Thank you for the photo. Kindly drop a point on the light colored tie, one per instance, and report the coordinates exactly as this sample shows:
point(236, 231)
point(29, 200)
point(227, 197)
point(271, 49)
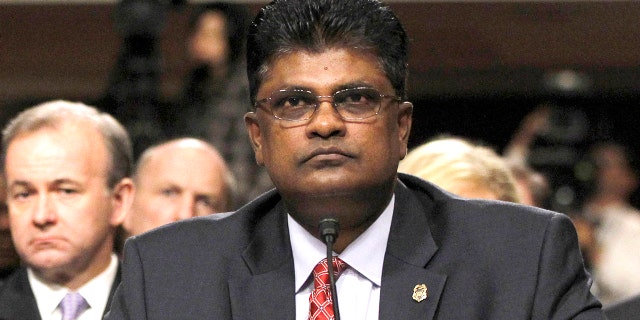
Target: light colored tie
point(320, 300)
point(72, 305)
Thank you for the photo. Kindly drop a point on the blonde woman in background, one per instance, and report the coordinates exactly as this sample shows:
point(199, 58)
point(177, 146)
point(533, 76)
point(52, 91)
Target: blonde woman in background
point(463, 168)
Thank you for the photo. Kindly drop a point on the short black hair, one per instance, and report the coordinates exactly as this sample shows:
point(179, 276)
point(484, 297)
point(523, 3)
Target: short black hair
point(284, 26)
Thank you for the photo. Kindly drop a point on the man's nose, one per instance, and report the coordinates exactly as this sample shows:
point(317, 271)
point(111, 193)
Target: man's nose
point(326, 121)
point(187, 208)
point(45, 213)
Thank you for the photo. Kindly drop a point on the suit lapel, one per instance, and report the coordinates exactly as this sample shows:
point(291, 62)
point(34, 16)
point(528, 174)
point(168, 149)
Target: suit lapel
point(269, 292)
point(264, 296)
point(409, 249)
point(18, 302)
point(114, 286)
point(16, 298)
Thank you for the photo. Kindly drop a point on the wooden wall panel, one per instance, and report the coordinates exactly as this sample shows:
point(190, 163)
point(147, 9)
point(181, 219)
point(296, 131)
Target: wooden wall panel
point(67, 50)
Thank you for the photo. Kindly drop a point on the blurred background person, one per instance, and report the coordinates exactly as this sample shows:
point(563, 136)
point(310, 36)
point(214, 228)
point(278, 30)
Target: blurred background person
point(216, 93)
point(179, 179)
point(551, 139)
point(462, 168)
point(532, 186)
point(215, 50)
point(609, 176)
point(133, 91)
point(9, 259)
point(66, 167)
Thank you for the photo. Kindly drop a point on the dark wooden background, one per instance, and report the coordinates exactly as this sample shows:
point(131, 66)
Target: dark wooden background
point(476, 68)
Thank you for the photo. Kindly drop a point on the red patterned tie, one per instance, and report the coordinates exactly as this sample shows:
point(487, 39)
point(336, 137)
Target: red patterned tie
point(321, 304)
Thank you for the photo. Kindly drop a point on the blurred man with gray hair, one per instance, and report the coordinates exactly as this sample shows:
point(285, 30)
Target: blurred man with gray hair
point(67, 169)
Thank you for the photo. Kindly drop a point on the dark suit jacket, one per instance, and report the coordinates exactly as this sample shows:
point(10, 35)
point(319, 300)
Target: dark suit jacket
point(17, 301)
point(478, 259)
point(626, 310)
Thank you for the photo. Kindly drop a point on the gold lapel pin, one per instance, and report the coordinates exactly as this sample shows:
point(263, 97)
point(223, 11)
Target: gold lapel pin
point(420, 292)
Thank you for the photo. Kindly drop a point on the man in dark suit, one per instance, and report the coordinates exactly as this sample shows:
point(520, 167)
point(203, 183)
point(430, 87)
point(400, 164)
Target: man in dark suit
point(330, 123)
point(624, 310)
point(66, 166)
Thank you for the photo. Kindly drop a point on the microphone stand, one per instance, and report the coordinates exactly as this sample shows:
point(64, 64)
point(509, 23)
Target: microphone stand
point(329, 228)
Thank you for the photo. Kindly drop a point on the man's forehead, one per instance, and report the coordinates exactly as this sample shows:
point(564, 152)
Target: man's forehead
point(338, 68)
point(56, 153)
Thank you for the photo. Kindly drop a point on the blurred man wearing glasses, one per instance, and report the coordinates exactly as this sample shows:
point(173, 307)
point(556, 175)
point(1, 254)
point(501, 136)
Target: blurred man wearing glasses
point(331, 123)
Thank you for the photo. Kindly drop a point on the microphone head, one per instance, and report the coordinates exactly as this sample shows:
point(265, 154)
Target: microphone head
point(329, 227)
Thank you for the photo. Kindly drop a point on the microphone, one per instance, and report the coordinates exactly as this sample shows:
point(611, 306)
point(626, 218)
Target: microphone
point(329, 228)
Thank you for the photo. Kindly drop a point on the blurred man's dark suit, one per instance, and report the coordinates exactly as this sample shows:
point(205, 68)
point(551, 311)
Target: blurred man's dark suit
point(17, 301)
point(478, 259)
point(625, 310)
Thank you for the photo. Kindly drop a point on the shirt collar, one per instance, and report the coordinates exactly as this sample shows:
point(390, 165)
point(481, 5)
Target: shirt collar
point(365, 254)
point(96, 291)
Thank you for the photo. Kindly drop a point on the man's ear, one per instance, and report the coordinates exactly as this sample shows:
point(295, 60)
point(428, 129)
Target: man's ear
point(255, 135)
point(121, 200)
point(405, 116)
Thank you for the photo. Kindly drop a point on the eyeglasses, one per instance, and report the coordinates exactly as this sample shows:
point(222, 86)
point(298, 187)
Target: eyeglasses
point(300, 105)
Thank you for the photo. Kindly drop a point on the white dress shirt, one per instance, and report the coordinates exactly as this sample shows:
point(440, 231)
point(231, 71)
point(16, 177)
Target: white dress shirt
point(96, 292)
point(616, 272)
point(358, 286)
